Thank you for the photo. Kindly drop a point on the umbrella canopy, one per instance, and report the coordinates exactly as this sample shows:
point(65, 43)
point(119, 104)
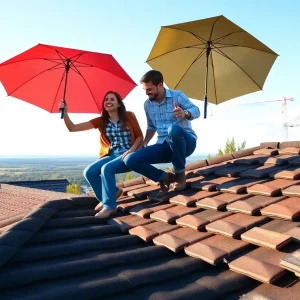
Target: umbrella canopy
point(44, 75)
point(213, 58)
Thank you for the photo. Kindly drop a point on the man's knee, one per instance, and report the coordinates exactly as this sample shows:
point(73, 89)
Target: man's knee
point(174, 131)
point(130, 160)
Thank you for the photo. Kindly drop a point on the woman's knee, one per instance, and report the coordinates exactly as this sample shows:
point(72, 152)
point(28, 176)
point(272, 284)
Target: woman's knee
point(87, 172)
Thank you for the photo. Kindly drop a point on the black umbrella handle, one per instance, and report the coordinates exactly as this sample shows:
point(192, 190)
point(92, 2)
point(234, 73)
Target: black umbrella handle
point(62, 112)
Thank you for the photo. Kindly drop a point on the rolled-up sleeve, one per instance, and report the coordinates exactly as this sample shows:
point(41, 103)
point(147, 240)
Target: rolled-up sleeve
point(186, 104)
point(150, 125)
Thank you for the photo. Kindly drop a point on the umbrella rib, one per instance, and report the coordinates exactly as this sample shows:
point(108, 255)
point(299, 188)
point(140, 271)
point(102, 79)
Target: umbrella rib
point(88, 88)
point(32, 79)
point(213, 70)
point(198, 37)
point(213, 27)
point(189, 47)
point(232, 45)
point(200, 54)
point(222, 53)
point(58, 89)
point(220, 38)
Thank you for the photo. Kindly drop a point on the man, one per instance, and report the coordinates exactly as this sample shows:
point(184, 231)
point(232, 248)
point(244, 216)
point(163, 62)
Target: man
point(169, 113)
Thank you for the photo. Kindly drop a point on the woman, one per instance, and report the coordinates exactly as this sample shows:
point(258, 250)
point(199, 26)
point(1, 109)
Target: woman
point(120, 134)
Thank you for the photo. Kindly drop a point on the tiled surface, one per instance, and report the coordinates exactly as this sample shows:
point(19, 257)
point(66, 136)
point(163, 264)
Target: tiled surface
point(233, 232)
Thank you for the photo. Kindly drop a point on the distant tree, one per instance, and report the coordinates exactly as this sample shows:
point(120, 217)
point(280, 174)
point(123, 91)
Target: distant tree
point(129, 176)
point(230, 147)
point(74, 189)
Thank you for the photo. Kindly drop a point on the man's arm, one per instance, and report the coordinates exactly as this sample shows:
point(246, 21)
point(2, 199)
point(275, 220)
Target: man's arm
point(186, 104)
point(149, 135)
point(151, 129)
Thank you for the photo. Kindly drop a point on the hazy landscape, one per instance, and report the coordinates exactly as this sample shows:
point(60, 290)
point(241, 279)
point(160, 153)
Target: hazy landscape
point(13, 168)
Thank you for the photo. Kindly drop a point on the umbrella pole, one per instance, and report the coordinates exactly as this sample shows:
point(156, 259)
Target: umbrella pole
point(208, 50)
point(67, 68)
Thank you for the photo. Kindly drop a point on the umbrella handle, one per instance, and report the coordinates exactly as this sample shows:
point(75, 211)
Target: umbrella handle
point(62, 110)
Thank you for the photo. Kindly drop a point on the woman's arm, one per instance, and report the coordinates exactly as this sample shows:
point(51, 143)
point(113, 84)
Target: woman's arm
point(70, 125)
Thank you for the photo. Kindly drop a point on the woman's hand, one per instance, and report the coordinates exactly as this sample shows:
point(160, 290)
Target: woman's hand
point(63, 104)
point(126, 153)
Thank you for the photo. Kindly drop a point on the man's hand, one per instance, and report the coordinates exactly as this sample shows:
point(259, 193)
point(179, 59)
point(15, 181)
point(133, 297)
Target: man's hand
point(178, 111)
point(143, 145)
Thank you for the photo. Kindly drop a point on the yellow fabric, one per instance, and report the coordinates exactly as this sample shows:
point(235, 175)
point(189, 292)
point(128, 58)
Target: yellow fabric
point(238, 64)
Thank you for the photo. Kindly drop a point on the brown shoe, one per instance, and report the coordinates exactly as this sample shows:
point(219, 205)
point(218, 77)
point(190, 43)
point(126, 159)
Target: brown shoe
point(165, 184)
point(180, 182)
point(118, 195)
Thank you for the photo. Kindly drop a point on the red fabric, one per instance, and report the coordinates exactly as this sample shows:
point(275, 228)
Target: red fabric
point(35, 77)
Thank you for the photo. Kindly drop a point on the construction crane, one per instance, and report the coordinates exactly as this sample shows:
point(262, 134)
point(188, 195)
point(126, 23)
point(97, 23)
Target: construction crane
point(284, 114)
point(291, 123)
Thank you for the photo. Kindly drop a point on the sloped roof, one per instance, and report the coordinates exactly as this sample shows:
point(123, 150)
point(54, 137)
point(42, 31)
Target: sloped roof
point(16, 202)
point(233, 232)
point(55, 185)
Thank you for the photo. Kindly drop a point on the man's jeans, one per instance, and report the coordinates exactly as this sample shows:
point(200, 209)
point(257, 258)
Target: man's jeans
point(181, 145)
point(101, 177)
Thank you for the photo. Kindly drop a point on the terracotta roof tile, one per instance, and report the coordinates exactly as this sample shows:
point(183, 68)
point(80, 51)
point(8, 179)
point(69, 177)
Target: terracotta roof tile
point(292, 191)
point(146, 208)
point(150, 231)
point(169, 215)
point(216, 248)
point(292, 173)
point(176, 240)
point(220, 201)
point(292, 262)
point(198, 220)
point(253, 204)
point(239, 185)
point(267, 238)
point(191, 200)
point(234, 225)
point(287, 209)
point(271, 188)
point(265, 151)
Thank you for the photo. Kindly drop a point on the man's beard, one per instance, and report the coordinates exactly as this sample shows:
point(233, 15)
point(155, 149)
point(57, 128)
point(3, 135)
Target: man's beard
point(153, 97)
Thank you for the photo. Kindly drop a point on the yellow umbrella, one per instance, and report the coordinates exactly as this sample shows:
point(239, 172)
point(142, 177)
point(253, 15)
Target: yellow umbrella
point(215, 51)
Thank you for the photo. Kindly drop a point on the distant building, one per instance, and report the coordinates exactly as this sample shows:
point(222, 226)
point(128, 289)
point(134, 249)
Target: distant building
point(55, 185)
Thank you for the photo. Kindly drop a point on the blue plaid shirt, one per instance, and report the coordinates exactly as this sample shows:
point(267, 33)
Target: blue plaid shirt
point(120, 141)
point(160, 116)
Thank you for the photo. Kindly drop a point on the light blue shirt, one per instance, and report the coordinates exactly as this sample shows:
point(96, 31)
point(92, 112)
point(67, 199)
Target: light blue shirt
point(160, 116)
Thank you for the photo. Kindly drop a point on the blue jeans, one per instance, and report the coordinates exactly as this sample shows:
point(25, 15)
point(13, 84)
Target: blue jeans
point(101, 176)
point(181, 145)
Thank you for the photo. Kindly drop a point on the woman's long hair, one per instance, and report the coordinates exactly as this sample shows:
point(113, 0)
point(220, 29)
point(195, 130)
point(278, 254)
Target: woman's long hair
point(121, 112)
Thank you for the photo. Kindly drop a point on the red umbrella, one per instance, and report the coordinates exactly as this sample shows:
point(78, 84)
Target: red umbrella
point(44, 74)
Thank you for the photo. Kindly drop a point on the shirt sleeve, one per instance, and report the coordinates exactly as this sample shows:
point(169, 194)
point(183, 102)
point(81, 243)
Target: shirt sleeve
point(96, 122)
point(150, 125)
point(186, 104)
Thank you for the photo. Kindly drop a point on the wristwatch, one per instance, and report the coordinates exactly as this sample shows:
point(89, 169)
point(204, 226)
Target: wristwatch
point(187, 114)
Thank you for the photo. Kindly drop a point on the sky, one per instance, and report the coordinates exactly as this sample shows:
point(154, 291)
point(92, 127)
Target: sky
point(127, 30)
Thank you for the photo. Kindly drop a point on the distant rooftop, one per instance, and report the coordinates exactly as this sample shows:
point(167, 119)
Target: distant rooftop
point(55, 185)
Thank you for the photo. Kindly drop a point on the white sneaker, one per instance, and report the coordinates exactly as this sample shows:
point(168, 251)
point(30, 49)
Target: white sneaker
point(118, 195)
point(105, 212)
